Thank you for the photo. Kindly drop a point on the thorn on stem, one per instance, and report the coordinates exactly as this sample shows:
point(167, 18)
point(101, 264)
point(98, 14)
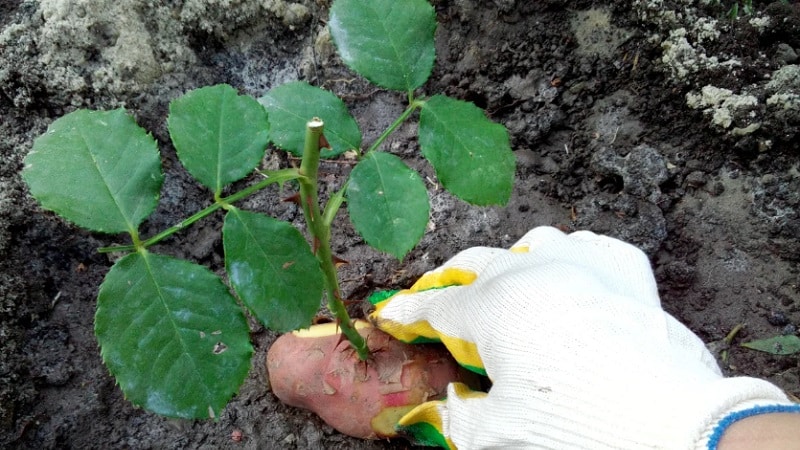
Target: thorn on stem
point(310, 210)
point(339, 262)
point(339, 330)
point(323, 142)
point(294, 198)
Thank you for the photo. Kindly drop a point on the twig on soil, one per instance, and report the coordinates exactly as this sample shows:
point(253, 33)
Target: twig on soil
point(729, 340)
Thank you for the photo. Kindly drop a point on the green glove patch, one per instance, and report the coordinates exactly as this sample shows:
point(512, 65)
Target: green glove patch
point(423, 433)
point(380, 296)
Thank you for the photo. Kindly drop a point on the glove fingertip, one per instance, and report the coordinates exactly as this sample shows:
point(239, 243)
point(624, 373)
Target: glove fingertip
point(465, 353)
point(425, 434)
point(440, 279)
point(423, 426)
point(410, 333)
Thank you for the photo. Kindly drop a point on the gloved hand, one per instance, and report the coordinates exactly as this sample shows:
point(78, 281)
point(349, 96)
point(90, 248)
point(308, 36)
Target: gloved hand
point(570, 330)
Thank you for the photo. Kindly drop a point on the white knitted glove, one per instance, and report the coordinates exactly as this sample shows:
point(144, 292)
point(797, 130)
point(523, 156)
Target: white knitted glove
point(570, 330)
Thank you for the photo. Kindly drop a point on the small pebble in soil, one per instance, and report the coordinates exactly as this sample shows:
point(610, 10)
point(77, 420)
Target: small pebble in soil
point(696, 179)
point(777, 318)
point(789, 330)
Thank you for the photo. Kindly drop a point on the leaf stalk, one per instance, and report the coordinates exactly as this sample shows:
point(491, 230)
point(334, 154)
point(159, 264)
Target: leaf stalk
point(274, 176)
point(412, 106)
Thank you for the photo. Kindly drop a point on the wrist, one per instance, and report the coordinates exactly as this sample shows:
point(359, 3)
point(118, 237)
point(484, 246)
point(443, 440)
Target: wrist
point(766, 428)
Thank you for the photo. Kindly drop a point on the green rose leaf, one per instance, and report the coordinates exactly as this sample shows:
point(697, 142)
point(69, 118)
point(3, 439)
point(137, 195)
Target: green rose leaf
point(172, 335)
point(98, 169)
point(388, 203)
point(777, 345)
point(388, 42)
point(292, 105)
point(273, 270)
point(220, 136)
point(470, 153)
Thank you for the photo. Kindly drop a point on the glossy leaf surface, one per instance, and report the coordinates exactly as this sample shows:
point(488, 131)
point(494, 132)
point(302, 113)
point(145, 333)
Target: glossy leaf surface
point(172, 335)
point(470, 153)
point(98, 169)
point(292, 105)
point(388, 42)
point(388, 203)
point(273, 270)
point(220, 136)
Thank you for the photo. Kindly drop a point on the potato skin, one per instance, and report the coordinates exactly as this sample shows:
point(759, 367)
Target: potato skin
point(317, 370)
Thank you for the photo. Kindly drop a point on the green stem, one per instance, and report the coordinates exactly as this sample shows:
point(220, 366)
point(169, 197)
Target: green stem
point(335, 202)
point(320, 229)
point(137, 241)
point(730, 336)
point(412, 106)
point(333, 205)
point(272, 176)
point(275, 176)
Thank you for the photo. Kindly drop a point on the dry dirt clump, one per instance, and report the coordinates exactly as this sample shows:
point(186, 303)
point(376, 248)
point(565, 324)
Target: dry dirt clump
point(223, 17)
point(87, 50)
point(662, 122)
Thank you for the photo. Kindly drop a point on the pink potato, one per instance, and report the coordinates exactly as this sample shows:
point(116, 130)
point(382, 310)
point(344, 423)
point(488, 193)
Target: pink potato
point(317, 369)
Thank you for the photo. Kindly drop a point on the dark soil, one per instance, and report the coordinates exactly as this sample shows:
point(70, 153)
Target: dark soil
point(606, 139)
